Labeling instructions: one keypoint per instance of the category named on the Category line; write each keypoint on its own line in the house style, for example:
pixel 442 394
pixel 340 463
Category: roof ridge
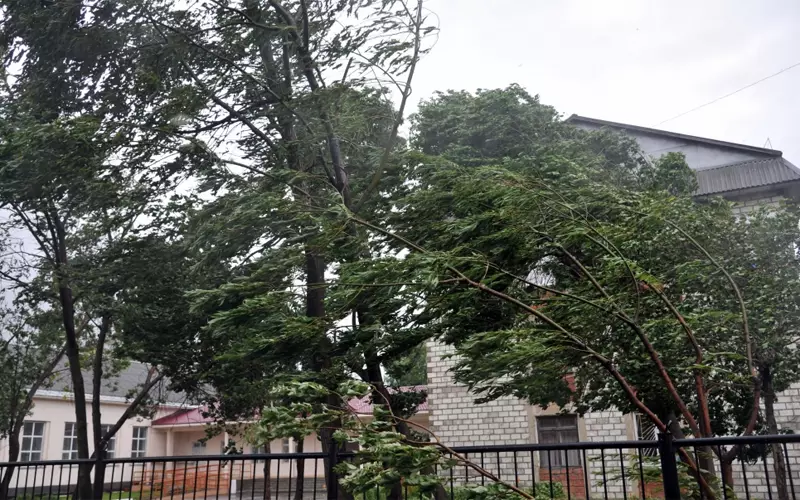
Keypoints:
pixel 707 140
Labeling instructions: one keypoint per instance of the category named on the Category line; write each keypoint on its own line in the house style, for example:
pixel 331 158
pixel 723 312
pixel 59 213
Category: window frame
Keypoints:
pixel 111 445
pixel 199 445
pixel 558 459
pixel 139 443
pixel 71 452
pixel 286 447
pixel 32 454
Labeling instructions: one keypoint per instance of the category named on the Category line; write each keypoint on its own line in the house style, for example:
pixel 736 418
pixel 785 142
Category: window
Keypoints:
pixel 111 446
pixel 556 430
pixel 199 448
pixel 70 449
pixel 32 440
pixel 286 447
pixel 646 431
pixel 139 442
pixel 258 450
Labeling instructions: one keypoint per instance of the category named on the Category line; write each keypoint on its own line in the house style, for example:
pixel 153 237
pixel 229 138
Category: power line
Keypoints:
pixel 732 93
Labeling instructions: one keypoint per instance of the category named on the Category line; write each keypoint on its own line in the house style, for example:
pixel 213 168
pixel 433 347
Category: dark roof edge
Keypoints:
pixel 733 193
pixel 714 142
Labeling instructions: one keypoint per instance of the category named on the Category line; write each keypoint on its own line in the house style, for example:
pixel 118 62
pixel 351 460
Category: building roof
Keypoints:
pixel 769 168
pixel 745 175
pixel 363 406
pixel 123 385
pixel 194 416
pixel 676 135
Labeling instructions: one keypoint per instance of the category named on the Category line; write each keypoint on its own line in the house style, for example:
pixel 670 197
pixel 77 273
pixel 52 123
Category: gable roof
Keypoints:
pixel 575 119
pixel 768 170
pixel 745 175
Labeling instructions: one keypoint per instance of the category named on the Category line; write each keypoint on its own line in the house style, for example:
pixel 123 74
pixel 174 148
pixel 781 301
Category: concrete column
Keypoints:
pixel 170 448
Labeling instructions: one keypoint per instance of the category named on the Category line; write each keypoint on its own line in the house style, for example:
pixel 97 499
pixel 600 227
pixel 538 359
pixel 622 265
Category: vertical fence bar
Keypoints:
pixel 498 467
pixel 35 474
pixel 253 483
pixel 18 471
pixel 316 476
pixel 113 472
pixel 219 476
pixel 641 473
pixel 278 479
pixel 746 486
pixel 567 472
pixel 451 483
pixel 789 470
pixel 241 475
pixel 163 478
pixel 483 478
pixel 699 474
pixel 605 477
pixel 533 470
pixel 766 471
pixel 550 472
pixel 722 474
pixel 122 477
pixel 196 473
pixel 466 469
pixel 52 478
pixel 622 473
pixel 291 464
pixel 330 476
pixel 183 482
pixel 669 468
pixel 152 479
pixel 586 475
pixel 516 471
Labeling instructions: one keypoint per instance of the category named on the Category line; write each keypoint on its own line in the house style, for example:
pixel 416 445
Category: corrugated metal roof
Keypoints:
pixel 745 175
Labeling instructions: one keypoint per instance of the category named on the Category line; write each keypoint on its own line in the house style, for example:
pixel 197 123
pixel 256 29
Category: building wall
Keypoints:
pixel 457 421
pixel 57 412
pixel 698 155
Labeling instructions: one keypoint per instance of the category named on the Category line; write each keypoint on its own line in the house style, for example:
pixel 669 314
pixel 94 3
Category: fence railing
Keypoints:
pixel 757 467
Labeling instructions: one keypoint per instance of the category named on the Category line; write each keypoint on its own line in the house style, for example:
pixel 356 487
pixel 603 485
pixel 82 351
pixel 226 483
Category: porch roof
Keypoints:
pixel 196 416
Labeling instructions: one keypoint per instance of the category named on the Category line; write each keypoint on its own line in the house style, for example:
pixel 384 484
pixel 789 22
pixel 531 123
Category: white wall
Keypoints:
pixel 698 155
pixel 56 412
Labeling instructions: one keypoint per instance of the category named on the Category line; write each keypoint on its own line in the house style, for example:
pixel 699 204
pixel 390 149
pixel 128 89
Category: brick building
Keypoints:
pixel 749 176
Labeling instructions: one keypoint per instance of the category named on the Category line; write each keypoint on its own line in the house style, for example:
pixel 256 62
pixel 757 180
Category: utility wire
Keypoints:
pixel 732 93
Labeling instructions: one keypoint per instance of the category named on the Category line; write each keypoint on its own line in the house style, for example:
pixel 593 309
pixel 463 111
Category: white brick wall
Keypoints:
pixel 745 206
pixel 458 421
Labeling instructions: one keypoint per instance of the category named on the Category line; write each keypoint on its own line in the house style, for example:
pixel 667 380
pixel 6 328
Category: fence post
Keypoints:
pixel 330 474
pixel 669 467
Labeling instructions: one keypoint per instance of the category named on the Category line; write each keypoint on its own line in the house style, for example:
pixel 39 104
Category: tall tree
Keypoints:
pixel 83 176
pixel 294 81
pixel 559 262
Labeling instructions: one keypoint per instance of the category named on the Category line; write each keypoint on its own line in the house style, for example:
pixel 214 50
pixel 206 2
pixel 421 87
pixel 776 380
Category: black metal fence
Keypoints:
pixel 758 467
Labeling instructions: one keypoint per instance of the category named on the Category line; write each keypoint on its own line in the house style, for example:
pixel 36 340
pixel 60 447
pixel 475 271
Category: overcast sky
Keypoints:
pixel 636 61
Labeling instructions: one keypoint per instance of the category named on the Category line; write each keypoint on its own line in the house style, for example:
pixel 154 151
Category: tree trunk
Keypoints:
pixel 97 416
pixel 267 471
pixel 84 489
pixel 13 455
pixel 727 475
pixel 778 458
pixel 301 471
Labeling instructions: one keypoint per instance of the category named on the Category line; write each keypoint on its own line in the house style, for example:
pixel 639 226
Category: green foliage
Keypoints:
pixel 409 370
